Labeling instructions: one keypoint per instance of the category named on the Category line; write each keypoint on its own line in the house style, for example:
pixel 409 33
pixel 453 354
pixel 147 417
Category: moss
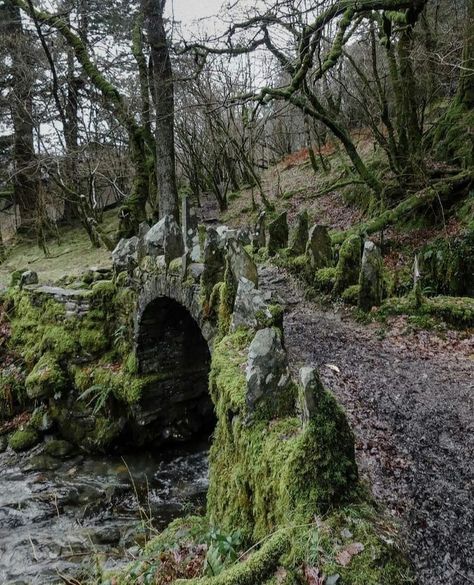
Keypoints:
pixel 12 390
pixel 303 469
pixel 104 290
pixel 348 265
pixel 458 311
pixel 130 365
pixel 447 265
pixel 45 379
pixel 58 448
pixel 23 439
pixel 93 340
pixel 351 294
pixel 176 266
pixel 254 570
pixel 324 279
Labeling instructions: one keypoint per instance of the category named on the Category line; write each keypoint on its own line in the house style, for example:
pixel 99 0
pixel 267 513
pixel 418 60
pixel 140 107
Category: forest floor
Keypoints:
pixel 410 401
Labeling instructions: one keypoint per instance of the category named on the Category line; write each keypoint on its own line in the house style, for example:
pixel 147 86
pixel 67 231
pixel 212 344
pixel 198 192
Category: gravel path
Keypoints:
pixel 411 408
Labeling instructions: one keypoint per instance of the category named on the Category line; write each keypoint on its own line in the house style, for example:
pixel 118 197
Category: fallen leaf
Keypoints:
pixel 333 368
pixel 344 556
pixel 313 576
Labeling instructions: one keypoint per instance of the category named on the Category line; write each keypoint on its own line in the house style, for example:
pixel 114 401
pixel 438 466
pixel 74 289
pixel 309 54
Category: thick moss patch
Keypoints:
pixel 24 439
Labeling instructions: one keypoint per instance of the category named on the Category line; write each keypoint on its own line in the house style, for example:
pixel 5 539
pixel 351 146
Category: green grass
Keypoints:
pixel 73 256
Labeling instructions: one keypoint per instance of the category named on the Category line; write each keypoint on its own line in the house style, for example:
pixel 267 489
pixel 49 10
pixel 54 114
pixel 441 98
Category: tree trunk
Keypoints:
pixel 163 92
pixel 25 181
pixel 465 92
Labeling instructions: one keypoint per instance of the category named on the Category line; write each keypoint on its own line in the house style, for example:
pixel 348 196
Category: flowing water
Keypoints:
pixel 57 516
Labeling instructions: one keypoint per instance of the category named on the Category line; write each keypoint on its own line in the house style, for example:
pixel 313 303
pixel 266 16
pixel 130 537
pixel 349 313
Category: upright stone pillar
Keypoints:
pixel 318 249
pixel 299 234
pixel 278 234
pixel 370 280
pixel 259 235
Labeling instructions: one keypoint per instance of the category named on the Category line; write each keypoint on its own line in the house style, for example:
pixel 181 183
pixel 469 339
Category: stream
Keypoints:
pixel 55 515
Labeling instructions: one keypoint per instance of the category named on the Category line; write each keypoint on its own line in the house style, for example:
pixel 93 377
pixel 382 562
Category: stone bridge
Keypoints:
pixel 187 288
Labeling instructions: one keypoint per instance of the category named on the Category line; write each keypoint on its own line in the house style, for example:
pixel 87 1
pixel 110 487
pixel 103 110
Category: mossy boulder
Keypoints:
pixel 351 294
pixel 24 439
pixel 324 279
pixel 45 379
pixel 348 265
pixel 58 448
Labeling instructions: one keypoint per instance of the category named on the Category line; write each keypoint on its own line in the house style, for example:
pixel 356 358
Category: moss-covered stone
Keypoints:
pixel 348 265
pixel 58 449
pixel 324 279
pixel 278 234
pixel 45 379
pixel 24 439
pixel 299 234
pixel 351 294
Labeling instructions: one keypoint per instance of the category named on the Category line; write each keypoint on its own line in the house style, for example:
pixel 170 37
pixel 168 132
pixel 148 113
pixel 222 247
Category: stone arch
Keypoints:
pixel 172 345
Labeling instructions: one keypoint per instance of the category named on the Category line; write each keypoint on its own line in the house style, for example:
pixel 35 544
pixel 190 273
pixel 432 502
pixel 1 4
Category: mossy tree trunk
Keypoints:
pixel 25 179
pixel 465 93
pixel 163 94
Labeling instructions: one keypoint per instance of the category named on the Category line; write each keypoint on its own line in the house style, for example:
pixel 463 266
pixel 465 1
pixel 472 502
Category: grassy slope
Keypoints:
pixel 72 256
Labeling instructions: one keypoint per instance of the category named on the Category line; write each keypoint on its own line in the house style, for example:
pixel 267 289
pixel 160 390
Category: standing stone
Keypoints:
pixel 278 234
pixel 125 254
pixel 299 235
pixel 348 266
pixel 268 377
pixel 241 264
pixel 309 393
pixel 248 306
pixel 370 279
pixel 259 236
pixel 143 229
pixel 214 262
pixel 189 223
pixel 165 239
pixel 318 250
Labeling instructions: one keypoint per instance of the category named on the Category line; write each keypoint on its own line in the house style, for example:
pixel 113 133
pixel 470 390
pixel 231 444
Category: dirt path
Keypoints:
pixel 411 408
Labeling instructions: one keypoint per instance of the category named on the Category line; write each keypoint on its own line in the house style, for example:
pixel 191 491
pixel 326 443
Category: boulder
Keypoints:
pixel 28 277
pixel 278 234
pixel 318 250
pixel 309 393
pixel 45 379
pixel 348 266
pixel 23 439
pixel 143 229
pixel 370 279
pixel 250 306
pixel 164 239
pixel 241 264
pixel 299 235
pixel 125 254
pixel 267 375
pixel 259 236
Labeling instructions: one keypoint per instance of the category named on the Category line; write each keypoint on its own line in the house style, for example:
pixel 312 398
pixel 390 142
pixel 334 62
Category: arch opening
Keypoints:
pixel 173 354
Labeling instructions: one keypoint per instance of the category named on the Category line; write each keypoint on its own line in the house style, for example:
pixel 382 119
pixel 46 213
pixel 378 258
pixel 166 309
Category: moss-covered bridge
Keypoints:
pixel 178 340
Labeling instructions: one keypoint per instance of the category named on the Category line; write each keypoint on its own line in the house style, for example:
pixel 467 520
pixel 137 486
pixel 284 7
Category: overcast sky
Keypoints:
pixel 188 11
